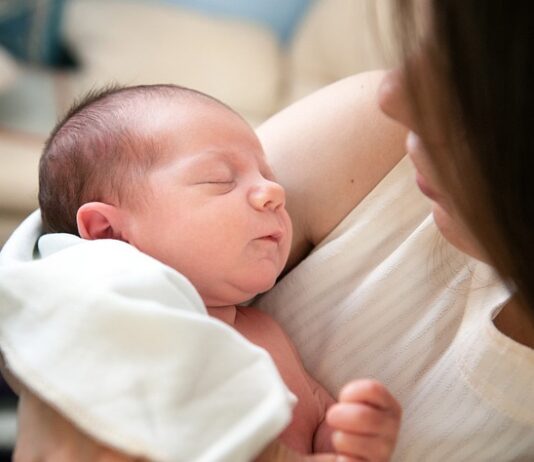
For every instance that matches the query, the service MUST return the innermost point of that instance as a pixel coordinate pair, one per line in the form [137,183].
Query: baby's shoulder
[251,314]
[252,320]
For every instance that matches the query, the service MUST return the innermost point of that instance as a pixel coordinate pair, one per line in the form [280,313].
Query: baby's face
[213,210]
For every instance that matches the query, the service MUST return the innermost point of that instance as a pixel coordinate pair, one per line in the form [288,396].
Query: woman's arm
[45,435]
[329,151]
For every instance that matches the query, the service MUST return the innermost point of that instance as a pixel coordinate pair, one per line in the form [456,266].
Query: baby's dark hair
[94,153]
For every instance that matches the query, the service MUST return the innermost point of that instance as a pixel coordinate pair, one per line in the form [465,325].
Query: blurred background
[257,56]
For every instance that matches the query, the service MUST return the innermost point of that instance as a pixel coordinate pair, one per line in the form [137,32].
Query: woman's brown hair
[479,67]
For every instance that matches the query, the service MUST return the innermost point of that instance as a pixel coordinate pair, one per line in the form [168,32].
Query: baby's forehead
[193,132]
[176,115]
[187,105]
[197,127]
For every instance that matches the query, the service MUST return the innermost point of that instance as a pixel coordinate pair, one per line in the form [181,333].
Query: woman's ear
[97,220]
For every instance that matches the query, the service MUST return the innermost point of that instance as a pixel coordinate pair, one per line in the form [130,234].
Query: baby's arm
[322,439]
[362,425]
[366,422]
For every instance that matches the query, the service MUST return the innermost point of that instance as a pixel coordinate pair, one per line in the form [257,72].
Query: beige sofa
[133,42]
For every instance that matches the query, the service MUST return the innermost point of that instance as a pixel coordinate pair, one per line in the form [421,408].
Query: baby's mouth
[273,237]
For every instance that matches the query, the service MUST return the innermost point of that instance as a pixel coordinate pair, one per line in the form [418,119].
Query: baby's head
[178,175]
[102,149]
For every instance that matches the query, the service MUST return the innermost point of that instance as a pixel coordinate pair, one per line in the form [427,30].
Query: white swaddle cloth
[122,345]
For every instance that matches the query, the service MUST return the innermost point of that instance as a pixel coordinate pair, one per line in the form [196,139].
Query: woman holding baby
[371,290]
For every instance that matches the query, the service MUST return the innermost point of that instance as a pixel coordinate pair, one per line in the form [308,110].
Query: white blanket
[122,345]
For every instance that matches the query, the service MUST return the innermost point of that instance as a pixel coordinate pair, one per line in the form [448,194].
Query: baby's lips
[275,236]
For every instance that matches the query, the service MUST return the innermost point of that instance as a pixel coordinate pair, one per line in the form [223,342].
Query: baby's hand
[366,421]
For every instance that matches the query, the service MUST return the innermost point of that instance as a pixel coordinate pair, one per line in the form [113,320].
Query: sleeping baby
[183,178]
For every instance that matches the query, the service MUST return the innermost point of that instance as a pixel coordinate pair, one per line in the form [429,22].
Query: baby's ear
[97,220]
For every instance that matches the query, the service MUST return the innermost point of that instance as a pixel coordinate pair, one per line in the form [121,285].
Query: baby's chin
[238,294]
[266,283]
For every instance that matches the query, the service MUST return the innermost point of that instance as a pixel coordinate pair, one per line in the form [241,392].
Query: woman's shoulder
[329,150]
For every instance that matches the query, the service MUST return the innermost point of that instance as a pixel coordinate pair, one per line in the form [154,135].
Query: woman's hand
[366,420]
[44,435]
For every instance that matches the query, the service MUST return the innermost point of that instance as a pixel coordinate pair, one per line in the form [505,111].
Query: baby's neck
[223,313]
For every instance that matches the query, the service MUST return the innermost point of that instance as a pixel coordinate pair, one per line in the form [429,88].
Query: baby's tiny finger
[371,392]
[372,449]
[343,458]
[361,419]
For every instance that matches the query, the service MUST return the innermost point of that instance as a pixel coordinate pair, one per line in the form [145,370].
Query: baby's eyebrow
[207,158]
[232,160]
[219,155]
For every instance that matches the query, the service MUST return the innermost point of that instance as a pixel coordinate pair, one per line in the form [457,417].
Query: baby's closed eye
[217,185]
[217,174]
[217,181]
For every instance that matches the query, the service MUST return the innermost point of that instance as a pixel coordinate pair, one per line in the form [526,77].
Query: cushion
[133,42]
[34,87]
[30,30]
[281,16]
[8,69]
[338,38]
[19,157]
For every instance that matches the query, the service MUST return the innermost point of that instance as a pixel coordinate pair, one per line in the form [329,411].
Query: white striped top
[385,296]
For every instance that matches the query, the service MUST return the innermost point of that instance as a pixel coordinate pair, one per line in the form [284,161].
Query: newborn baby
[183,178]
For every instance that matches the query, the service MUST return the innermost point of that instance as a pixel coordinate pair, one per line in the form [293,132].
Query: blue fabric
[30,30]
[281,16]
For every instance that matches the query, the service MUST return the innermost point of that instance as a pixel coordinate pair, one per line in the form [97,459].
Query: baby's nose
[267,195]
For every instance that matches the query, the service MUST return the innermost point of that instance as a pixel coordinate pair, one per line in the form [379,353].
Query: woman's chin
[455,232]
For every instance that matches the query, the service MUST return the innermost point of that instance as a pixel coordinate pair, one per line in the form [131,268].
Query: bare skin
[45,435]
[515,322]
[328,160]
